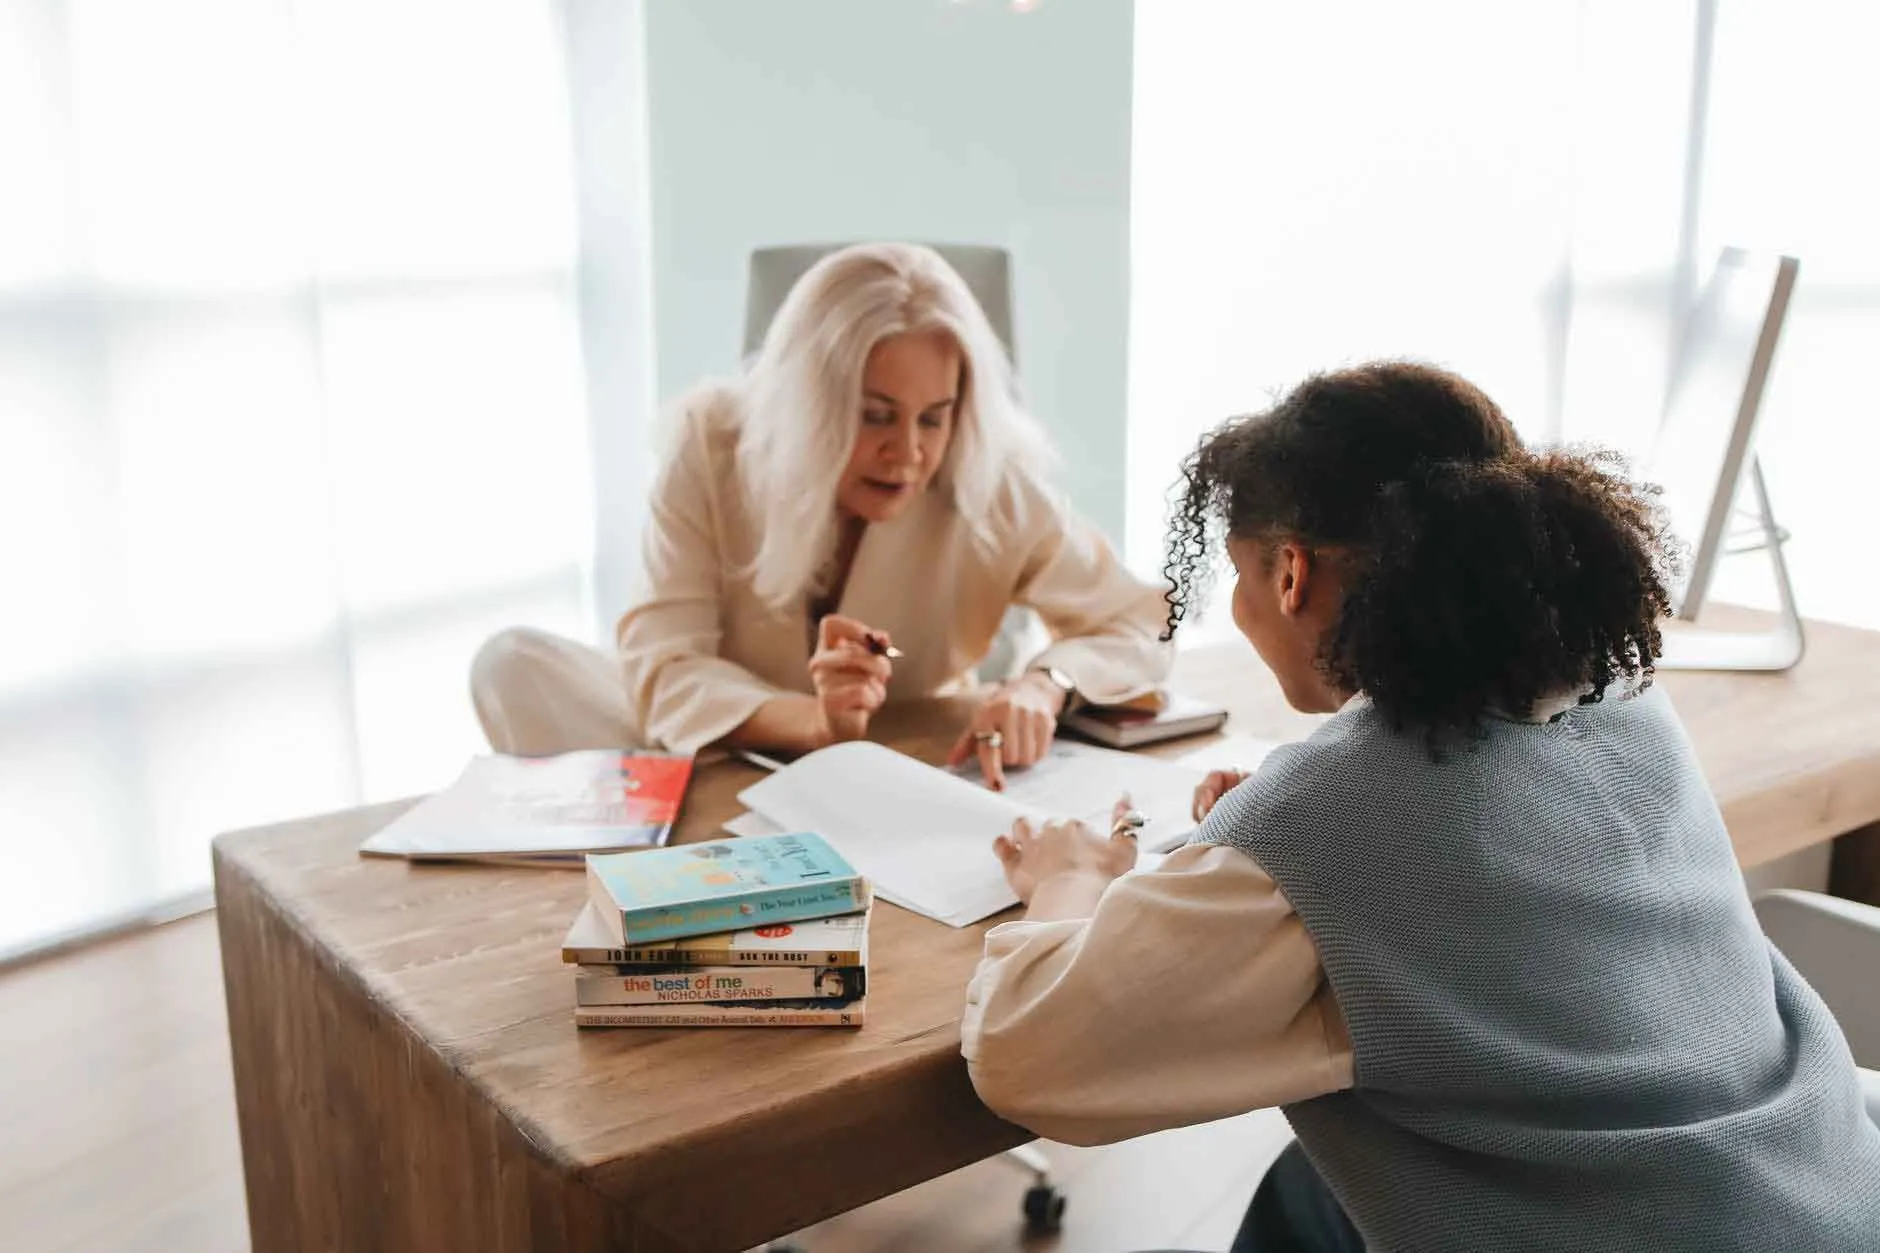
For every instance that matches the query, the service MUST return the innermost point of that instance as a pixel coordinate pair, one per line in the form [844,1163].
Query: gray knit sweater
[1568,1031]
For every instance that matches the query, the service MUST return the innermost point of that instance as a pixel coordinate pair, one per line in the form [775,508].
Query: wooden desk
[409,1077]
[1793,758]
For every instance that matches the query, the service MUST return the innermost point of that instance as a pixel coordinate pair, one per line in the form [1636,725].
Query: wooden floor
[119,1122]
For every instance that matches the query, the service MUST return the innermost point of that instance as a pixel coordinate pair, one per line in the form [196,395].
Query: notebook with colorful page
[543,810]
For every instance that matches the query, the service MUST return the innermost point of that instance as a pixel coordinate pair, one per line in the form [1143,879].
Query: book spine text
[627,985]
[755,908]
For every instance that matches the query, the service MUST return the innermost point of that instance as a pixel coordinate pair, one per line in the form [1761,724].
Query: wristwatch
[1063,682]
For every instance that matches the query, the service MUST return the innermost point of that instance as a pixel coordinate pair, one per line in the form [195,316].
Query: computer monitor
[1705,439]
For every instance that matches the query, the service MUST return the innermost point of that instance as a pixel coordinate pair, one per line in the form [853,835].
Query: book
[720,885]
[690,985]
[1134,724]
[923,834]
[838,941]
[543,810]
[752,1014]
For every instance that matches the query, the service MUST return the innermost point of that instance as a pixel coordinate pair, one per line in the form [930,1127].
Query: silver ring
[1129,824]
[991,739]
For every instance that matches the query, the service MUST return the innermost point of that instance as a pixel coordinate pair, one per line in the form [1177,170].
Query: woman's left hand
[1032,855]
[1013,728]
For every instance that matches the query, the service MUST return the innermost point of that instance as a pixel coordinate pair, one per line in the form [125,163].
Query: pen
[875,645]
[757,759]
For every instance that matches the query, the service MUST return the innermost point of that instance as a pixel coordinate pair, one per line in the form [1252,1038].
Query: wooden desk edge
[779,1149]
[235,871]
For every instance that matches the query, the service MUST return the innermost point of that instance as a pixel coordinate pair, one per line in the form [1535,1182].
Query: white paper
[1229,752]
[1077,780]
[750,823]
[924,835]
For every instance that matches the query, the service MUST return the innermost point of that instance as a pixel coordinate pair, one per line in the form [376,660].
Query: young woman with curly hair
[1482,935]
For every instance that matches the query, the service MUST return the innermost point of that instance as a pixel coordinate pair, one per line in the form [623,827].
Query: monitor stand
[1689,647]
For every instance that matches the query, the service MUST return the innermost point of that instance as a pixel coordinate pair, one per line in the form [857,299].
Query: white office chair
[988,275]
[1835,944]
[774,271]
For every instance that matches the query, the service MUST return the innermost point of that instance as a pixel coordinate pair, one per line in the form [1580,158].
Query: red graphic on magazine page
[776,931]
[591,789]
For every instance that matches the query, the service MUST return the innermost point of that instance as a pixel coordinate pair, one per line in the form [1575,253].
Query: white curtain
[291,416]
[1528,193]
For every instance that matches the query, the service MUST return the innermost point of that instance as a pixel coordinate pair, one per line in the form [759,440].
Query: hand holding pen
[850,671]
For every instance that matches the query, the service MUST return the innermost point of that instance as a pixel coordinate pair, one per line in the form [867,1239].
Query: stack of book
[764,932]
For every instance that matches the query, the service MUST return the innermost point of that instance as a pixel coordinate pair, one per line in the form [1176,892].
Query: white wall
[604,52]
[1529,194]
[1323,184]
[932,120]
[1793,101]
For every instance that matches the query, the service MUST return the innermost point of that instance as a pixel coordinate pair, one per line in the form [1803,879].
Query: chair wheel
[1044,1210]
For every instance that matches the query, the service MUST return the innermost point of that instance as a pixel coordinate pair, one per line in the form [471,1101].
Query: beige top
[1191,994]
[702,652]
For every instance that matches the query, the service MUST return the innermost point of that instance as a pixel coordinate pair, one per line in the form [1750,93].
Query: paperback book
[744,1014]
[838,941]
[691,985]
[720,885]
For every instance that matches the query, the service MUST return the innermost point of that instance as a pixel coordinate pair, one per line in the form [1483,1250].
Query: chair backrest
[774,271]
[1835,944]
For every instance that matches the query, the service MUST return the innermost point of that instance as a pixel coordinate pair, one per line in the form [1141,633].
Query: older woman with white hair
[844,525]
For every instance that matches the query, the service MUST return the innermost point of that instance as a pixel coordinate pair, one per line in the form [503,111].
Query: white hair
[802,397]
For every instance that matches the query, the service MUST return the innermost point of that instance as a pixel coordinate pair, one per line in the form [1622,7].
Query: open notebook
[924,835]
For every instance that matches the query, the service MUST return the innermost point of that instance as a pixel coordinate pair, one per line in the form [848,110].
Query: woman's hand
[1012,728]
[850,679]
[1218,784]
[1068,854]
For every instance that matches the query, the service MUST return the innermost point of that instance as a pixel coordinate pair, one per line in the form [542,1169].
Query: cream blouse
[702,652]
[1193,993]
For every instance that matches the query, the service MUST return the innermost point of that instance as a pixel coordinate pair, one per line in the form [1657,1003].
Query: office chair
[774,271]
[1835,944]
[988,275]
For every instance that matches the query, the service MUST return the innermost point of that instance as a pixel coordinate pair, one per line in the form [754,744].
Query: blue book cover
[721,885]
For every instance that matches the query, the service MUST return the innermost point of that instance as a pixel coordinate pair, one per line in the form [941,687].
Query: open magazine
[543,810]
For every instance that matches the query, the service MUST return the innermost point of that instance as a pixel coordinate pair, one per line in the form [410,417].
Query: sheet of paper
[1228,752]
[749,823]
[1077,780]
[924,835]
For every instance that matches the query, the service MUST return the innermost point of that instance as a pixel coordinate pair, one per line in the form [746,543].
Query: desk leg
[1855,870]
[355,1136]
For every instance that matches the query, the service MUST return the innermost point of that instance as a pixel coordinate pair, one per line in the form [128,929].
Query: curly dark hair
[1481,576]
